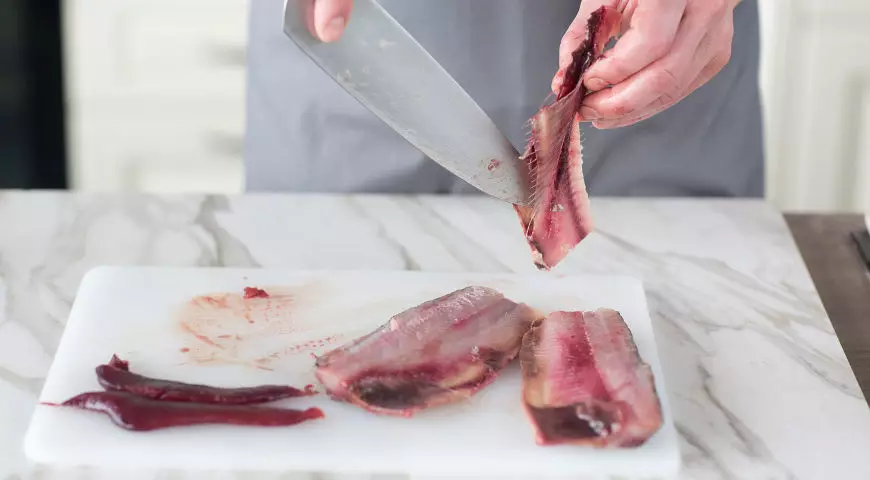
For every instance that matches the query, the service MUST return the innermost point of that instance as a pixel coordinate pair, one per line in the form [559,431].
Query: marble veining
[759,384]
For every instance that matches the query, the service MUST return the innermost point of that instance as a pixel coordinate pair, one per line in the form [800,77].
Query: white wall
[816,61]
[156,92]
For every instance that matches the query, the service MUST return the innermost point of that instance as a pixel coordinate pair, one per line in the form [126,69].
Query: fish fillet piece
[584,382]
[559,217]
[439,352]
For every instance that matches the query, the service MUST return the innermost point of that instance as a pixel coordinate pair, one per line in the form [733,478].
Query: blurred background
[149,95]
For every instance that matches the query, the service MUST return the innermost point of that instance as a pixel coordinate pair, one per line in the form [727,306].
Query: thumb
[329,18]
[575,34]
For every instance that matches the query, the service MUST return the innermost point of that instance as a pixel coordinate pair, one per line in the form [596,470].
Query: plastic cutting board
[147,316]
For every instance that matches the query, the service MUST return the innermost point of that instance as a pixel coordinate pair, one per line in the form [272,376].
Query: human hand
[668,49]
[327,19]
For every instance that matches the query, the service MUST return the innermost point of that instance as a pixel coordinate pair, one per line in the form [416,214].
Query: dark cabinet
[32,140]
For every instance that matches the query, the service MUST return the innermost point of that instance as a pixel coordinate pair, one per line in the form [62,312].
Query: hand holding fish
[668,49]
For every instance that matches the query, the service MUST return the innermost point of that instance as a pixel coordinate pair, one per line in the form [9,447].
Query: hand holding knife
[389,73]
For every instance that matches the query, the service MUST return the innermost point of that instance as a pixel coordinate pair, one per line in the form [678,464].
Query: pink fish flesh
[584,382]
[439,352]
[559,217]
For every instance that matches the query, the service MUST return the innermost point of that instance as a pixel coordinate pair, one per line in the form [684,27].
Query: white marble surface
[757,378]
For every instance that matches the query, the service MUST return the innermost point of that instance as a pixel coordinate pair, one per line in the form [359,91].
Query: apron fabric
[305,134]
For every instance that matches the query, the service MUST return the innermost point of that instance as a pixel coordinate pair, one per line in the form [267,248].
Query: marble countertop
[758,381]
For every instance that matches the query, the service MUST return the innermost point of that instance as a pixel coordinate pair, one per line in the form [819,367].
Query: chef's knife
[387,71]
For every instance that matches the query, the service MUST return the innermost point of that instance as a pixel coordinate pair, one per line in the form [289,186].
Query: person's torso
[304,133]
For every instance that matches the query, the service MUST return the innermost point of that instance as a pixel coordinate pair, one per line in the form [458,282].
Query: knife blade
[391,74]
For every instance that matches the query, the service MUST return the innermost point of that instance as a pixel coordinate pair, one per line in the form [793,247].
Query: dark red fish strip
[132,412]
[116,376]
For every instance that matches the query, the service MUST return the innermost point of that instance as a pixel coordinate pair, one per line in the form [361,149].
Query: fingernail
[595,84]
[332,30]
[588,113]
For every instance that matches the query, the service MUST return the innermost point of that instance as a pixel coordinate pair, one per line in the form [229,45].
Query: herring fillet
[559,218]
[584,382]
[441,351]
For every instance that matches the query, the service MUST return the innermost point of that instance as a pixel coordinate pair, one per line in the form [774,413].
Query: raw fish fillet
[559,216]
[439,352]
[584,382]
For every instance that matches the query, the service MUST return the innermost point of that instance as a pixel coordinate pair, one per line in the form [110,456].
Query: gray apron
[305,134]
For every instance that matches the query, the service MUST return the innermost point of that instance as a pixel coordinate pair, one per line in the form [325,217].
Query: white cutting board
[139,313]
